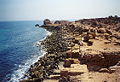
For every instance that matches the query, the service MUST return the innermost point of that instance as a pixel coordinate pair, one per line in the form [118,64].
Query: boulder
[101,30]
[64,73]
[86,38]
[93,67]
[89,43]
[67,63]
[76,55]
[47,21]
[68,54]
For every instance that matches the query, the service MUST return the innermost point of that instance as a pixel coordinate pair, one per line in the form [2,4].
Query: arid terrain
[86,50]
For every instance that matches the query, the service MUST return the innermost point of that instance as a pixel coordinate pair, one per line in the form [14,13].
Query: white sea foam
[22,69]
[19,73]
[48,33]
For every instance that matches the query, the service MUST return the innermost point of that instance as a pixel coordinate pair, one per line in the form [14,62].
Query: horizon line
[55,19]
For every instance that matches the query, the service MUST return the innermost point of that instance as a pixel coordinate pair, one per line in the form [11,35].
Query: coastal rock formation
[62,22]
[47,22]
[76,49]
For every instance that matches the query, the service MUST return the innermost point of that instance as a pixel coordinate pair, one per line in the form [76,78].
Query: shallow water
[17,48]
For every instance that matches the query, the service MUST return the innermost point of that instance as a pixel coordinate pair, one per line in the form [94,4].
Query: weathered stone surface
[68,62]
[75,69]
[103,60]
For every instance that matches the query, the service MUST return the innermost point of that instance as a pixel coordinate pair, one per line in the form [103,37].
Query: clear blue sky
[57,9]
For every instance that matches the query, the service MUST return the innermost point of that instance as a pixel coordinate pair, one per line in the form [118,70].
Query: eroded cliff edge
[86,50]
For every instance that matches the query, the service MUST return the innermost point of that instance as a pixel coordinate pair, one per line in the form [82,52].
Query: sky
[57,9]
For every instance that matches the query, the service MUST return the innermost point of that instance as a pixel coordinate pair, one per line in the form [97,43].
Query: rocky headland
[86,50]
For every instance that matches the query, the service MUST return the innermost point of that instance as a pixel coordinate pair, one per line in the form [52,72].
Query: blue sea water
[17,48]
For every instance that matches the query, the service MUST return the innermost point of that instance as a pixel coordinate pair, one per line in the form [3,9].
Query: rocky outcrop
[62,46]
[97,61]
[47,22]
[62,22]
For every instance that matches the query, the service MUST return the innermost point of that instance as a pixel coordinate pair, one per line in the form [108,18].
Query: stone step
[76,73]
[75,69]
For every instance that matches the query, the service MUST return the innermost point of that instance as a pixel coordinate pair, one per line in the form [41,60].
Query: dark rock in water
[47,21]
[37,25]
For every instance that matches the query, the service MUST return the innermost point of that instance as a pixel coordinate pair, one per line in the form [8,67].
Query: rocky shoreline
[84,50]
[53,45]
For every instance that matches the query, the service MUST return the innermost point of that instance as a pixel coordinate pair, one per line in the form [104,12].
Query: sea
[18,50]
